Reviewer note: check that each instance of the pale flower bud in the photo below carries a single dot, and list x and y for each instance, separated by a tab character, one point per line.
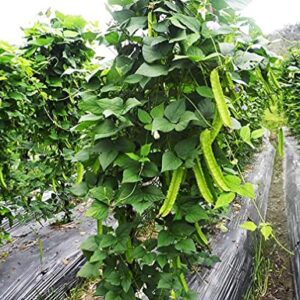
156	135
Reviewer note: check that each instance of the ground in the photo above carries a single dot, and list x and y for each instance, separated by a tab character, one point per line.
280	276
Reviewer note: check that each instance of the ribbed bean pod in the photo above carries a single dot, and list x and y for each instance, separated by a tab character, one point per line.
216	126
173	190
201	236
2	181
220	98
201	183
213	167
80	171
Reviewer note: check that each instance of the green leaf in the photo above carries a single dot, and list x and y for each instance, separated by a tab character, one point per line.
122	15
90	244
98	211
182	228
190	40
249	226
139	252
89	270
162	124
168	281
149	259
79	189
162	260
165	238
245	134
180	36
186	148
133	156
122	65
126	283
145	150
144	197
131	175
205	91
70	33
133	78
186	246
248	190
185	119
82	155
144	116
112	38
224	199
98	256
130	104
107	241
157	111
136	23
256	134
108	128
102	193
42	41
196	214
107	157
170	162
234	183
152	70
113	278
174	110
189	22
195	54
151	54
120	2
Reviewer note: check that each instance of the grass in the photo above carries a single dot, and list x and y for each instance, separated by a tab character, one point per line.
260	276
83	291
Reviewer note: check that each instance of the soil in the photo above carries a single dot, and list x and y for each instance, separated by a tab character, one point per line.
280	284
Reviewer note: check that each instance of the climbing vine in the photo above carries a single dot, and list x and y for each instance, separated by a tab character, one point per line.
40	84
290	81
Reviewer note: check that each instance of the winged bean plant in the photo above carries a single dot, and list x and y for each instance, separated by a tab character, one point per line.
40	83
164	134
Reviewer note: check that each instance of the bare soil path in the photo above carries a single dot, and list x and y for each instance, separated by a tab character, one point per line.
280	285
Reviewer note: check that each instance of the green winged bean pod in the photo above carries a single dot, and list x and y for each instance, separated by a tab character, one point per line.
220	98
2	181
280	148
177	178
200	235
216	126
213	167
80	172
201	183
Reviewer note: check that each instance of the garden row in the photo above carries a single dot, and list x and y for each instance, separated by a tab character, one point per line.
158	140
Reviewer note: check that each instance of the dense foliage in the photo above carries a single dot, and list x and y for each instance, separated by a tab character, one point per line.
158	140
291	84
17	86
165	133
39	92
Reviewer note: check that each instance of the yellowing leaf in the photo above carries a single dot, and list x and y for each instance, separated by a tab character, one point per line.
266	230
249	226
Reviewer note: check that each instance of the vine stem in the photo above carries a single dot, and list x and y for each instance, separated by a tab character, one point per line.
273	235
208	124
177	265
257	208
